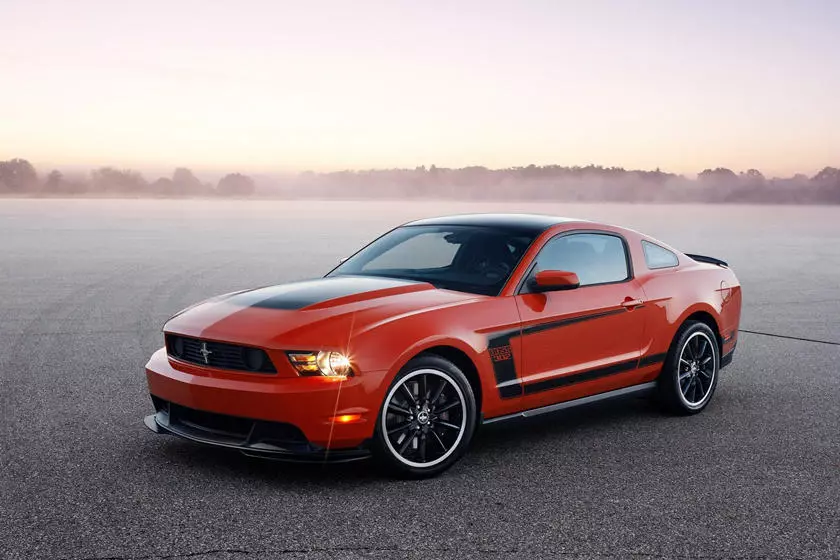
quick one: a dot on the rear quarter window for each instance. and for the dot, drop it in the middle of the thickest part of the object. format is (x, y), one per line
(658, 257)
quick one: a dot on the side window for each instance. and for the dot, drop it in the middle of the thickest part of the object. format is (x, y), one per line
(658, 257)
(597, 258)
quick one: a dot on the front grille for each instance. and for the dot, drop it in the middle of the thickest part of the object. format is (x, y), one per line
(219, 354)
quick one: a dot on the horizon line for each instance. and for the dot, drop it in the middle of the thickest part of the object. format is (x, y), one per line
(156, 168)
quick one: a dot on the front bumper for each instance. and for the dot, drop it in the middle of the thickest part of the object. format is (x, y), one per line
(307, 404)
(254, 438)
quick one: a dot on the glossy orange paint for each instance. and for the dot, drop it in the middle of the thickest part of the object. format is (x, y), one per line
(527, 349)
(556, 280)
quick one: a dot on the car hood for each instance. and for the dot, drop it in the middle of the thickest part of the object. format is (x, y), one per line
(326, 311)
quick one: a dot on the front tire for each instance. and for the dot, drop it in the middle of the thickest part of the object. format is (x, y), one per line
(427, 419)
(690, 374)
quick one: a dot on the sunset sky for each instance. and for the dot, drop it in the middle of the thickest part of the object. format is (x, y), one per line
(289, 85)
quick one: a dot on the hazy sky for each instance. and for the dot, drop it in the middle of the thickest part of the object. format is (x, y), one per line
(315, 84)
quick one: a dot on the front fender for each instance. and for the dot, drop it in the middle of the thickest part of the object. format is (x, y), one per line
(430, 342)
(464, 327)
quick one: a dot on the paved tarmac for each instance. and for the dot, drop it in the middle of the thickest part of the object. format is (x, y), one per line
(85, 286)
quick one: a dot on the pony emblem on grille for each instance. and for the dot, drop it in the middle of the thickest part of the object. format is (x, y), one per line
(205, 352)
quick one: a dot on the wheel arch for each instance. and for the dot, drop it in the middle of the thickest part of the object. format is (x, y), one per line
(670, 393)
(456, 351)
(706, 317)
(463, 362)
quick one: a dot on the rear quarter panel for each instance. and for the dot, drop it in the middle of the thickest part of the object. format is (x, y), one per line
(679, 292)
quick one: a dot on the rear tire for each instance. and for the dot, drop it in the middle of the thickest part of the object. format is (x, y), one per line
(690, 373)
(427, 419)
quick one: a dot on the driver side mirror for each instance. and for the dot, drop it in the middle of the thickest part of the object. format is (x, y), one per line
(554, 280)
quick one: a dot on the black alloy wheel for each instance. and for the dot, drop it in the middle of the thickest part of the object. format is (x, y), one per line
(427, 418)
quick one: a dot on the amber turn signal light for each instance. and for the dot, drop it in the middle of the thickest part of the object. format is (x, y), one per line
(346, 418)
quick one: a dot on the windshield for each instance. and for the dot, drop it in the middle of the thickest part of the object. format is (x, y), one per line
(472, 259)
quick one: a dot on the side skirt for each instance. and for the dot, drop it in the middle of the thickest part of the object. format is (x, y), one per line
(726, 360)
(634, 389)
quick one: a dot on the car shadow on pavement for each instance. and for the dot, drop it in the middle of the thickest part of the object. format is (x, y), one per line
(570, 423)
(513, 439)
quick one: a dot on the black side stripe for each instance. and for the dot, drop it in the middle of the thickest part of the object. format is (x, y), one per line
(571, 321)
(501, 354)
(651, 359)
(589, 375)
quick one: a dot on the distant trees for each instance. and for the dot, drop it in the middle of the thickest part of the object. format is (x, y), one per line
(18, 176)
(827, 183)
(54, 182)
(235, 184)
(718, 175)
(162, 187)
(828, 176)
(108, 179)
(185, 183)
(537, 182)
(753, 176)
(182, 183)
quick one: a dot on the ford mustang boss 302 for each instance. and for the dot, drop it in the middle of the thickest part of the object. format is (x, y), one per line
(439, 326)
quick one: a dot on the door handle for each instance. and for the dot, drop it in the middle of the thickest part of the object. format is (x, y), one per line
(629, 303)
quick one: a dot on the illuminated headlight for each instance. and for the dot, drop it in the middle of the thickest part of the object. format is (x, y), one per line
(333, 364)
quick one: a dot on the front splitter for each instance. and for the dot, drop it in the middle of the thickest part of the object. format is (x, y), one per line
(159, 424)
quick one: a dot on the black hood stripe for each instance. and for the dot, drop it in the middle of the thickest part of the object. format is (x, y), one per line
(298, 295)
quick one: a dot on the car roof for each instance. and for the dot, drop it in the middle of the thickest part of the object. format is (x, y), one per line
(526, 223)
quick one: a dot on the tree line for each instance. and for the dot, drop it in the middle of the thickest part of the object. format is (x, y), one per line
(20, 177)
(547, 182)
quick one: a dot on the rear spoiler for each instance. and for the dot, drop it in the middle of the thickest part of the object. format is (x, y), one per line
(705, 259)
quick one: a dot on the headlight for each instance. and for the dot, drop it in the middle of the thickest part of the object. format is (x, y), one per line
(333, 364)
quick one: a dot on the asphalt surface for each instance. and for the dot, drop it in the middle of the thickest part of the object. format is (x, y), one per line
(86, 285)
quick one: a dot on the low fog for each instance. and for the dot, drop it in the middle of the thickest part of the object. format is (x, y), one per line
(18, 177)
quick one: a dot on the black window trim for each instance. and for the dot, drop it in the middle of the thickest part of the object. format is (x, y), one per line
(523, 283)
(647, 264)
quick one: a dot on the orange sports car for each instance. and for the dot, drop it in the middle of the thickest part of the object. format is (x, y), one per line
(439, 326)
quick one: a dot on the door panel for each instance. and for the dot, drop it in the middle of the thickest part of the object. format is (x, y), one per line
(587, 340)
(566, 333)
